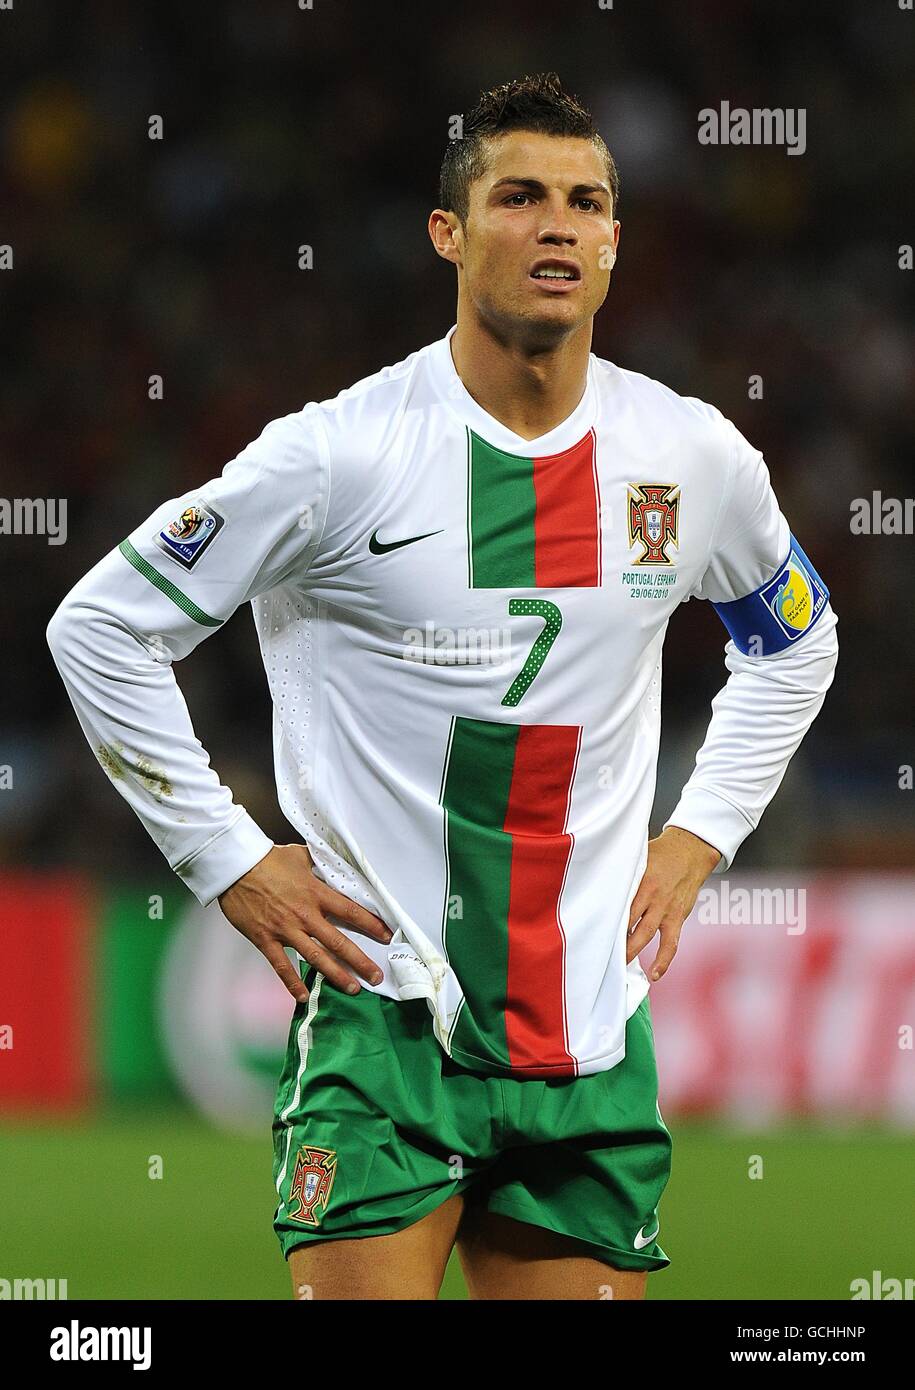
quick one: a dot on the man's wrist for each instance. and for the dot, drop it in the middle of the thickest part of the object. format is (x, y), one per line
(705, 854)
(225, 858)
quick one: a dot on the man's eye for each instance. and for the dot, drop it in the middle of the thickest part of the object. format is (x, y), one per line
(511, 198)
(590, 202)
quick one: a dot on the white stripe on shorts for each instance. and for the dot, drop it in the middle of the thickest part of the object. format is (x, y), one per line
(304, 1042)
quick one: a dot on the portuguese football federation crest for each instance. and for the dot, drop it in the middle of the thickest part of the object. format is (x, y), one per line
(653, 516)
(312, 1180)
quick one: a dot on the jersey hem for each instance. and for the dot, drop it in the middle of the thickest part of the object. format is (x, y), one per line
(538, 1070)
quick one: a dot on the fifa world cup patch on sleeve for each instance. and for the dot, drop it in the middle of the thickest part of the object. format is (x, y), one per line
(780, 611)
(187, 537)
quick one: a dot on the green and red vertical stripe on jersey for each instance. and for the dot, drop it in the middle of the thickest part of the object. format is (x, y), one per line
(533, 522)
(505, 791)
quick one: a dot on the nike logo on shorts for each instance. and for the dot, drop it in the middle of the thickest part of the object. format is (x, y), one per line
(641, 1241)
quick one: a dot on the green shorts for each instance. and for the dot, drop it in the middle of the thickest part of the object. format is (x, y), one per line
(375, 1126)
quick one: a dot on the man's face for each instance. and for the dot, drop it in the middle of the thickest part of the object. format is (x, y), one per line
(543, 204)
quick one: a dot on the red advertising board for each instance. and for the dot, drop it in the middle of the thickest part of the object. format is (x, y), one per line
(46, 990)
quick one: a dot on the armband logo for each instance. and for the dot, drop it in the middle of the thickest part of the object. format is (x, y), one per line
(780, 611)
(794, 597)
(187, 537)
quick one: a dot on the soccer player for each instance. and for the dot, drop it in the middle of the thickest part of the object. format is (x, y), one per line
(462, 569)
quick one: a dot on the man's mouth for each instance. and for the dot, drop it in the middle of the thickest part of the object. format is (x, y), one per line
(555, 273)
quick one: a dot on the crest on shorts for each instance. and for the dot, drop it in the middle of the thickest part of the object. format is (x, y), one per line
(312, 1180)
(654, 510)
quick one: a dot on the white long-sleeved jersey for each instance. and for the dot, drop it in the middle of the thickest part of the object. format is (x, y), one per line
(462, 635)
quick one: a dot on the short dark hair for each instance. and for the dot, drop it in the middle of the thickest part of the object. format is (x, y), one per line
(535, 103)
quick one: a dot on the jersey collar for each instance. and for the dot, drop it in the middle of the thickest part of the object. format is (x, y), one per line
(462, 404)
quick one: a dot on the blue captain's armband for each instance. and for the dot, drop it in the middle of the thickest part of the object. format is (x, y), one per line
(780, 611)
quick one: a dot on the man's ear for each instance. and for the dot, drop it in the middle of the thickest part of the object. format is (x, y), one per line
(446, 233)
(613, 253)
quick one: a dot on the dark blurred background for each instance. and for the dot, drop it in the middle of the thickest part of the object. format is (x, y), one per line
(178, 257)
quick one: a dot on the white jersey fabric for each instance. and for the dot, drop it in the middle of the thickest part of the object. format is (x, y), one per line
(462, 633)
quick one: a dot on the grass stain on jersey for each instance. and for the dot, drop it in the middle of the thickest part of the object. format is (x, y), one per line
(110, 762)
(117, 764)
(154, 780)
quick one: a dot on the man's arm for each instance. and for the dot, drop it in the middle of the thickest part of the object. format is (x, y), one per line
(173, 582)
(759, 718)
(781, 659)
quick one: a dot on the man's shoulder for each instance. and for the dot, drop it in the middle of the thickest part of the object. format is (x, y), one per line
(341, 438)
(657, 402)
(360, 415)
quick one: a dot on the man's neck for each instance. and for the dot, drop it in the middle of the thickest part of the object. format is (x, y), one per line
(529, 391)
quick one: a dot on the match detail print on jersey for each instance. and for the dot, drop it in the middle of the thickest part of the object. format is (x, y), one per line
(505, 792)
(533, 522)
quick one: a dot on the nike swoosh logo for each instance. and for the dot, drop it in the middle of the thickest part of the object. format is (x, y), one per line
(382, 547)
(641, 1241)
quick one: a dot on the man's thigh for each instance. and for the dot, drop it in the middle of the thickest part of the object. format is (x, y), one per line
(409, 1264)
(577, 1186)
(506, 1259)
(501, 1259)
(373, 1132)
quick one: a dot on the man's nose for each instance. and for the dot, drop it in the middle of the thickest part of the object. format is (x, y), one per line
(558, 226)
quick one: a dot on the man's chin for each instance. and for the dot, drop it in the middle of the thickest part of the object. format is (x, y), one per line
(549, 325)
(538, 327)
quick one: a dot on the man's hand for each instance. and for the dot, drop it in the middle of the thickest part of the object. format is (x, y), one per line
(678, 865)
(281, 903)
